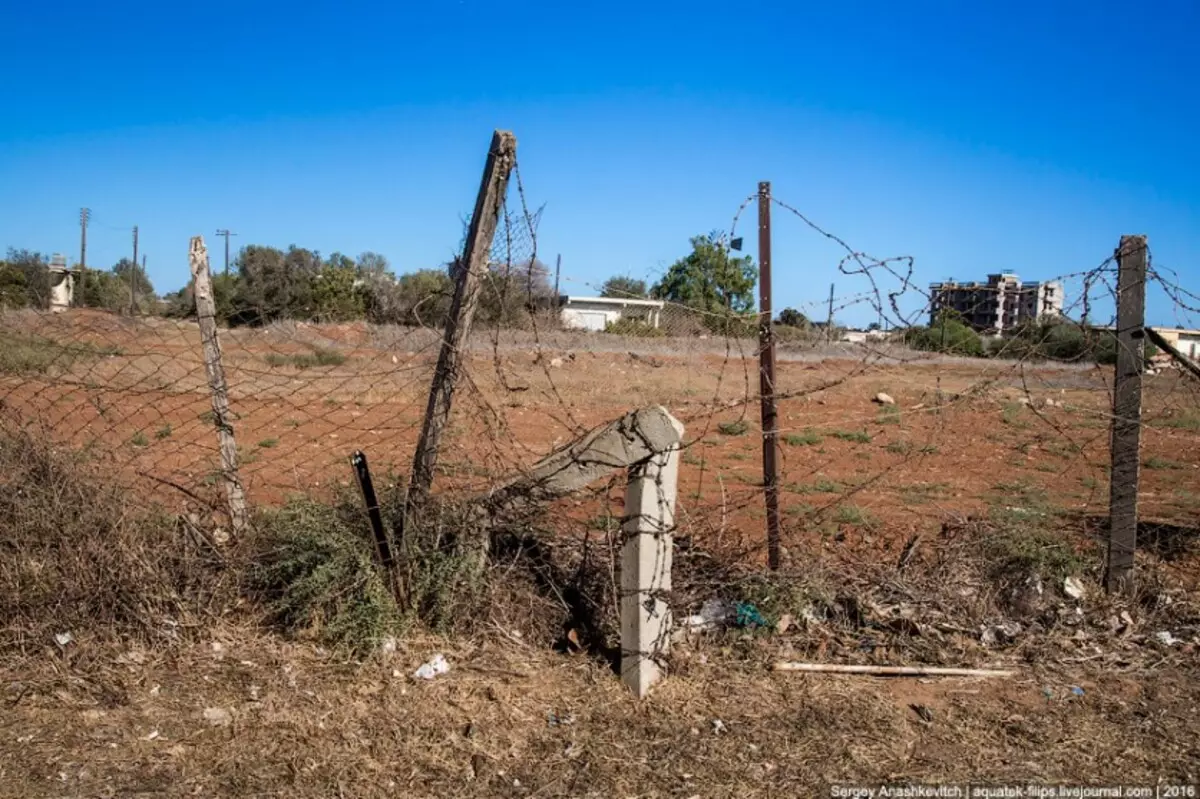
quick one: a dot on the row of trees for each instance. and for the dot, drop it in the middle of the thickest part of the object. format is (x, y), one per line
(25, 283)
(1054, 338)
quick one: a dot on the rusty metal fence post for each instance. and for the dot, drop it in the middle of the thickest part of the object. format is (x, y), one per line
(766, 375)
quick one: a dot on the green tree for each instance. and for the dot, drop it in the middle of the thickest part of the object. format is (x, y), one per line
(709, 280)
(276, 284)
(14, 291)
(423, 298)
(624, 287)
(32, 266)
(102, 289)
(335, 294)
(793, 318)
(948, 334)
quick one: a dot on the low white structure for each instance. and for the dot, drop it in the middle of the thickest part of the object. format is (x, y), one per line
(62, 284)
(596, 313)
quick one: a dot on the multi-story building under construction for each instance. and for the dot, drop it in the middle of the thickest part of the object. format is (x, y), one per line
(999, 304)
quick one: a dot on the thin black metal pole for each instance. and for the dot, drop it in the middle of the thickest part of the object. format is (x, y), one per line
(766, 373)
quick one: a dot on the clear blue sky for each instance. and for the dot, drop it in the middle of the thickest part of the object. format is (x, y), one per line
(974, 136)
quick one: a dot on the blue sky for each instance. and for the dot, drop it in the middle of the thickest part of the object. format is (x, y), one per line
(973, 136)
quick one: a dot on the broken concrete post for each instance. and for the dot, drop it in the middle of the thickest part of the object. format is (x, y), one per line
(646, 560)
(617, 445)
(646, 442)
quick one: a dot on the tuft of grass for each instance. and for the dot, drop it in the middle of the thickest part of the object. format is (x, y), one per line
(735, 428)
(918, 493)
(1155, 462)
(851, 514)
(1188, 420)
(29, 354)
(320, 356)
(822, 485)
(163, 432)
(856, 436)
(889, 414)
(899, 447)
(808, 438)
(1021, 546)
(139, 439)
(1012, 413)
(268, 443)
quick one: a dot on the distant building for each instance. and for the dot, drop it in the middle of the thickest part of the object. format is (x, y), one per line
(1186, 341)
(998, 305)
(596, 313)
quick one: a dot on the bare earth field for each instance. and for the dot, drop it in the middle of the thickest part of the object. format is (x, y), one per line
(233, 711)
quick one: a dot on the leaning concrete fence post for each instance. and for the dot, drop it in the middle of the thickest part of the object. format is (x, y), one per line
(646, 565)
(206, 314)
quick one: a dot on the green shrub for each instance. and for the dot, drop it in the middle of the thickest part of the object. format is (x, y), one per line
(318, 576)
(319, 356)
(626, 326)
(947, 335)
(808, 438)
(735, 428)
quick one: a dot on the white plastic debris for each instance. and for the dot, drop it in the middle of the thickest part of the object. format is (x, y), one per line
(719, 727)
(62, 639)
(884, 399)
(1165, 638)
(1073, 587)
(714, 614)
(435, 666)
(388, 645)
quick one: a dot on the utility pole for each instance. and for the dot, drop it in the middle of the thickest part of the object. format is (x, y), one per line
(557, 272)
(85, 214)
(226, 234)
(829, 318)
(133, 274)
(766, 377)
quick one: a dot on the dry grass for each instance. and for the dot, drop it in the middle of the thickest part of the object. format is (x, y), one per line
(121, 710)
(75, 557)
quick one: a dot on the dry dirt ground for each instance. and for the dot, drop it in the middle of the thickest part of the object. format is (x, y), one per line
(957, 441)
(248, 716)
(235, 712)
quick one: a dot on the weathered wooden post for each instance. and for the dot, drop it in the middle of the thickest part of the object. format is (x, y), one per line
(502, 156)
(206, 314)
(646, 555)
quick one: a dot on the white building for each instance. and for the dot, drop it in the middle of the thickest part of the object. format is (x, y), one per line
(62, 284)
(596, 313)
(1000, 304)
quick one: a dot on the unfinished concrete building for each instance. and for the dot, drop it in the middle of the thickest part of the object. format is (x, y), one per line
(999, 304)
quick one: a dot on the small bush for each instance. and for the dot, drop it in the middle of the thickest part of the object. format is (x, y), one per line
(857, 436)
(851, 514)
(736, 428)
(627, 326)
(317, 573)
(947, 335)
(319, 356)
(318, 577)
